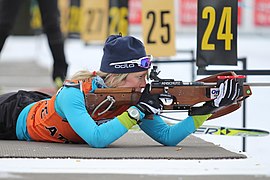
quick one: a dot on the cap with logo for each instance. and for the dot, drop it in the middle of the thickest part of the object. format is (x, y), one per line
(118, 50)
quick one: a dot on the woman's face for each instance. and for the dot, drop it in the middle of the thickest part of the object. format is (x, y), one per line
(136, 80)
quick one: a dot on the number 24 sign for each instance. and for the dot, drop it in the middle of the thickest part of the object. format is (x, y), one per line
(217, 32)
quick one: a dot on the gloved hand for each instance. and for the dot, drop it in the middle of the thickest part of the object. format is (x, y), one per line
(229, 90)
(151, 103)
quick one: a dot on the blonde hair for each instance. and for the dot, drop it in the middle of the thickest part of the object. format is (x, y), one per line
(110, 79)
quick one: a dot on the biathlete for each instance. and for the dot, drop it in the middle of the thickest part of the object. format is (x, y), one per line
(63, 118)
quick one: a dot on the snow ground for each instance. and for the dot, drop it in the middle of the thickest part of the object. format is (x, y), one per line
(79, 56)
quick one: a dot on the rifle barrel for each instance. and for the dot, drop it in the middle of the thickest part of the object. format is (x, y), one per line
(249, 84)
(258, 84)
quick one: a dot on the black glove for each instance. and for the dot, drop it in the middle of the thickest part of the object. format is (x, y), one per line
(151, 103)
(228, 93)
(229, 90)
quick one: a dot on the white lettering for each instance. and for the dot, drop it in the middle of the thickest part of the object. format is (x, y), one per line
(124, 66)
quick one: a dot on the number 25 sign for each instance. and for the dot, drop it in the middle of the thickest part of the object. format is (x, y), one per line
(159, 27)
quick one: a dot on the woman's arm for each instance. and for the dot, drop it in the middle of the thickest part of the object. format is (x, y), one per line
(70, 105)
(171, 135)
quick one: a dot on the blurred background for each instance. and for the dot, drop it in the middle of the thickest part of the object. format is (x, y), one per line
(89, 22)
(253, 16)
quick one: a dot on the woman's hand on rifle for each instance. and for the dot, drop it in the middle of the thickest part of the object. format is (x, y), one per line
(151, 103)
(229, 90)
(228, 93)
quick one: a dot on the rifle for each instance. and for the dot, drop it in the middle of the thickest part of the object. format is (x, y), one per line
(186, 94)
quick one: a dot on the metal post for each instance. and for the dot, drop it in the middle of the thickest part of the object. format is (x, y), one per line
(244, 61)
(193, 66)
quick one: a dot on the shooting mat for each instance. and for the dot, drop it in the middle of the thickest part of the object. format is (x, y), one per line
(133, 145)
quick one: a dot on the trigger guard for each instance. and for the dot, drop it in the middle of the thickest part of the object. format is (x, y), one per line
(166, 101)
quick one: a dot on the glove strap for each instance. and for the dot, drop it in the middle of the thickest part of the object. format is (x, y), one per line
(207, 108)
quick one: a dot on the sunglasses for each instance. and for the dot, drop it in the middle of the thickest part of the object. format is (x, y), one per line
(144, 62)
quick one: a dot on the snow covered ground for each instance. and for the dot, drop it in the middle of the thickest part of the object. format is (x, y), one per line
(79, 56)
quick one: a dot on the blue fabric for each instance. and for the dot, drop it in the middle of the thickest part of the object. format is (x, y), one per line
(21, 130)
(73, 109)
(119, 49)
(165, 134)
(97, 82)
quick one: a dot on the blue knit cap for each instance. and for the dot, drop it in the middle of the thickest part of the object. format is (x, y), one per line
(119, 49)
